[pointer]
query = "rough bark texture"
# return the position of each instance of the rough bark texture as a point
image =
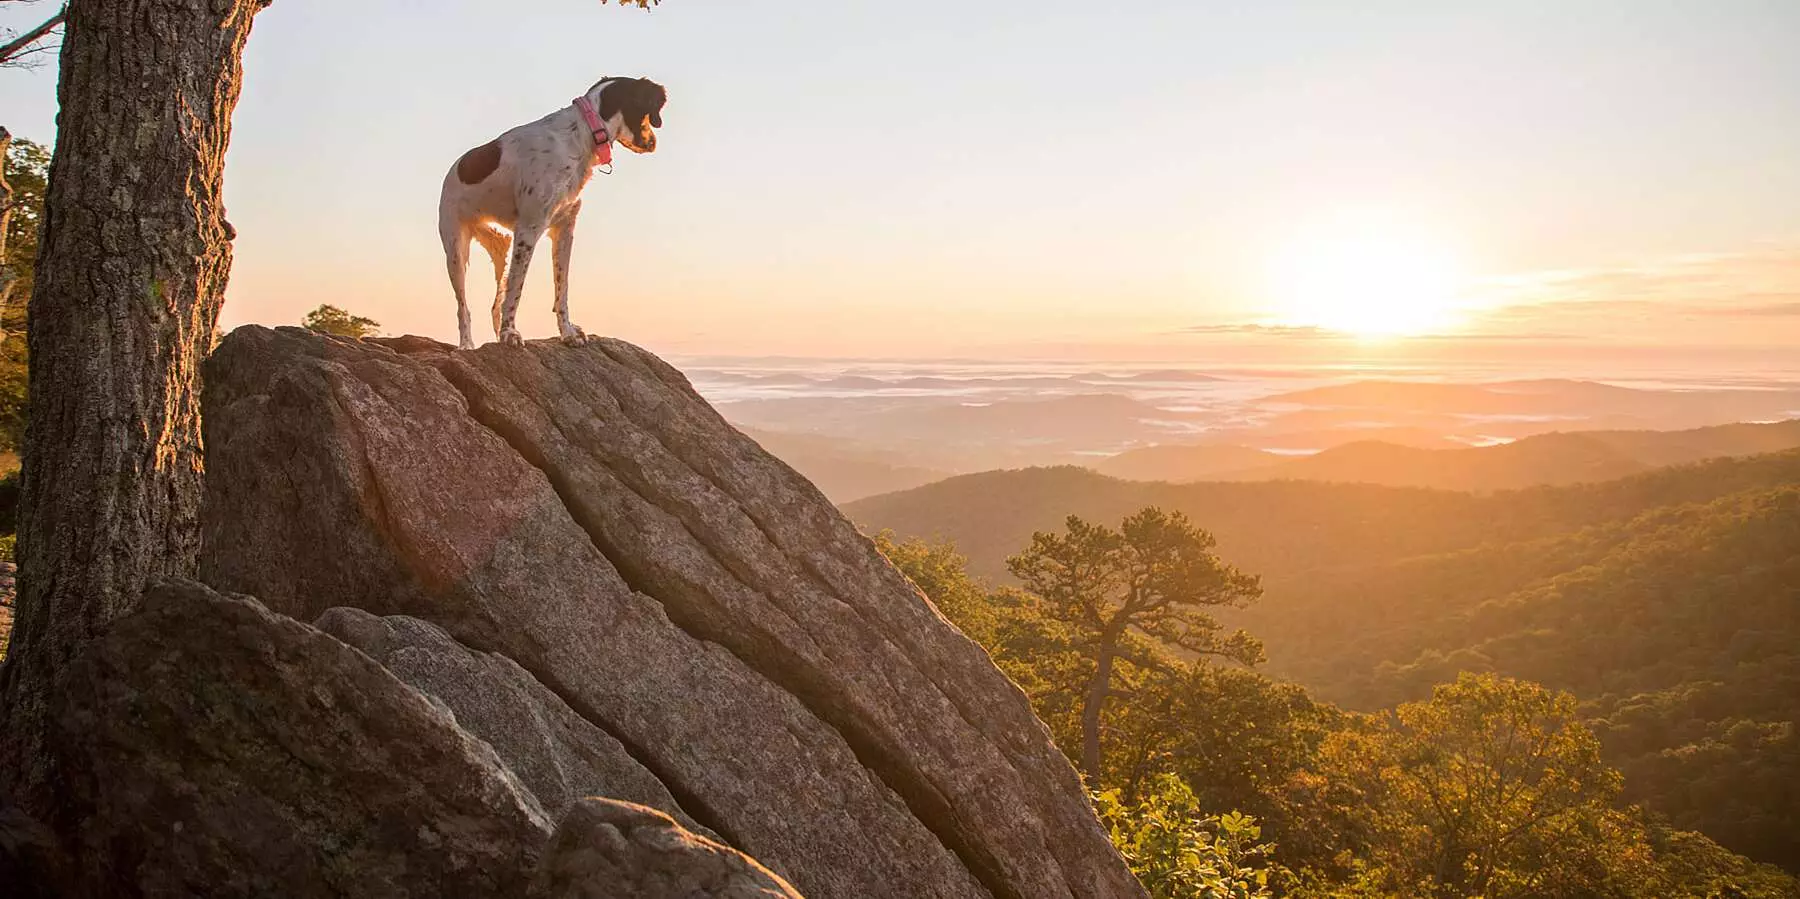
(583, 512)
(560, 756)
(134, 263)
(615, 850)
(218, 749)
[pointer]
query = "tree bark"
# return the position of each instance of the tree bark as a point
(134, 260)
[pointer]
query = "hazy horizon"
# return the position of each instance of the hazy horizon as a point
(1059, 180)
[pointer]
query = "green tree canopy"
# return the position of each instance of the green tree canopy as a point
(328, 319)
(1492, 788)
(1155, 577)
(28, 174)
(1492, 782)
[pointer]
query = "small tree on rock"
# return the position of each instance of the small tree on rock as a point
(329, 319)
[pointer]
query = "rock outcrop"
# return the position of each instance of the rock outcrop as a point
(557, 754)
(614, 850)
(218, 749)
(584, 514)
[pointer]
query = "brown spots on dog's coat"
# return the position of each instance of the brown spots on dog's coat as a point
(477, 164)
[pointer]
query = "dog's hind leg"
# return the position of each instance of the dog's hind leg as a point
(524, 243)
(456, 259)
(562, 236)
(496, 243)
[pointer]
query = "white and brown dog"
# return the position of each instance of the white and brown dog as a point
(509, 193)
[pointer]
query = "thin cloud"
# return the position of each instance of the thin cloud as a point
(1299, 332)
(1501, 336)
(1713, 296)
(1785, 309)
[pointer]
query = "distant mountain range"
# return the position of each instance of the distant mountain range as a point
(1556, 458)
(844, 470)
(966, 424)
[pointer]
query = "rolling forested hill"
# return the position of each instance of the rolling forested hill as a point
(1669, 602)
(1549, 459)
(844, 470)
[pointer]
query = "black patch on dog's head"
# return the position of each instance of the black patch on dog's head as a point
(476, 165)
(637, 99)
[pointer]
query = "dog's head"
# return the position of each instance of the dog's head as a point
(632, 107)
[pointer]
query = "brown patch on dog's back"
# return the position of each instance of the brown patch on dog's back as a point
(477, 164)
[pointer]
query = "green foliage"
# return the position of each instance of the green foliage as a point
(1490, 784)
(328, 319)
(1154, 576)
(1496, 788)
(1239, 740)
(1669, 603)
(1178, 851)
(1678, 627)
(28, 171)
(1130, 597)
(942, 574)
(1478, 791)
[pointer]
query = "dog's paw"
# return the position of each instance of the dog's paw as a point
(574, 336)
(512, 337)
(466, 345)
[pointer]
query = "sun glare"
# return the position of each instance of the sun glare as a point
(1370, 282)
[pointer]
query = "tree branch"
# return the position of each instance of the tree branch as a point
(17, 47)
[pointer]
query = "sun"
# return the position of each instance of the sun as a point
(1370, 282)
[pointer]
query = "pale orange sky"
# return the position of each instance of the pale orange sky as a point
(1023, 178)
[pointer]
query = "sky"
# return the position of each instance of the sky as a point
(1055, 177)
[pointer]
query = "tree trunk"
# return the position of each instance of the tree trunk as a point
(132, 273)
(1098, 688)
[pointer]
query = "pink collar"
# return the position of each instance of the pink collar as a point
(602, 140)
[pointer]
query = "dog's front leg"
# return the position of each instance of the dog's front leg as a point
(525, 238)
(562, 235)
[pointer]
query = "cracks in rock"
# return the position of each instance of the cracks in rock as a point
(691, 803)
(618, 351)
(924, 801)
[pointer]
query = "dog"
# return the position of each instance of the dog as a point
(527, 183)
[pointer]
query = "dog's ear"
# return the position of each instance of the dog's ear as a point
(649, 98)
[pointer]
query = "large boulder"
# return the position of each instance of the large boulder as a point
(615, 850)
(583, 512)
(215, 748)
(559, 755)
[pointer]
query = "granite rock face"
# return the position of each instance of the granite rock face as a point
(219, 749)
(558, 755)
(584, 514)
(615, 850)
